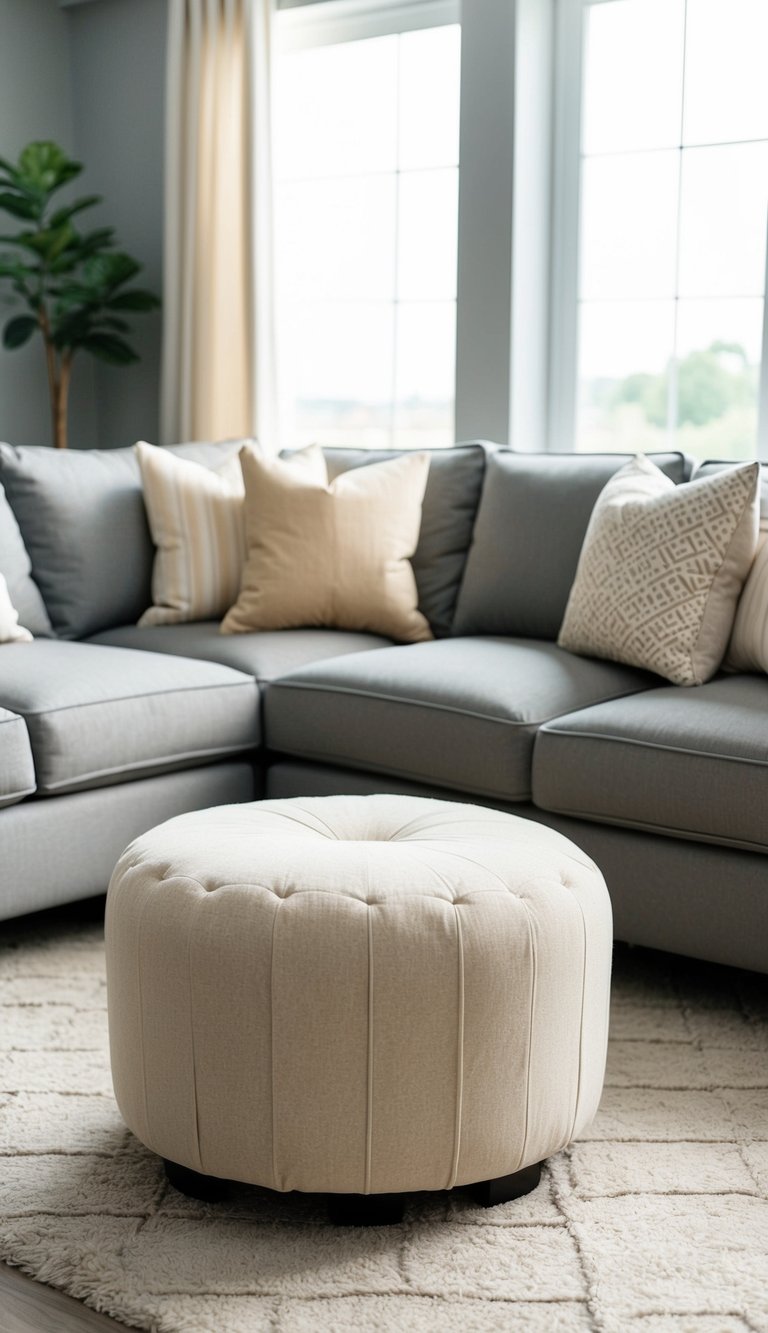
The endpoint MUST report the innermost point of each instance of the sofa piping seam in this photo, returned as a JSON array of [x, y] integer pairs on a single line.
[[442, 708], [148, 694], [142, 765], [663, 830], [648, 745]]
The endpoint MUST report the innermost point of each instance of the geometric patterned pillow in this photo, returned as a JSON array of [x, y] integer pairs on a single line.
[[661, 570]]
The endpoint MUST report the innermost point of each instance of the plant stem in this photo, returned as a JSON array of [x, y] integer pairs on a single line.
[[58, 381], [65, 371]]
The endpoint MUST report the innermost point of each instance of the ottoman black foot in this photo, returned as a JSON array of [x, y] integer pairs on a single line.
[[365, 1210], [192, 1183], [490, 1192]]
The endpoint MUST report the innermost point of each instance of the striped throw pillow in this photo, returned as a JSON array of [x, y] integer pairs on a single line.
[[196, 519]]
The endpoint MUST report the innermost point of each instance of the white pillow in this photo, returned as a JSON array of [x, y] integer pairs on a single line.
[[661, 570], [10, 629]]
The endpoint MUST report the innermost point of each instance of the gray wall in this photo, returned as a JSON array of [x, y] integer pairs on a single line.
[[36, 103], [91, 76], [118, 77]]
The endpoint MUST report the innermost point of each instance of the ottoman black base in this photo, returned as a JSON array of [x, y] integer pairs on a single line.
[[362, 1210]]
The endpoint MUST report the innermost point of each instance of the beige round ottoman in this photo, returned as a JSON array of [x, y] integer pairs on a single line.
[[357, 995]]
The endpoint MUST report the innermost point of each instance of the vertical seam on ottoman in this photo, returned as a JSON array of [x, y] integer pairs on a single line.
[[581, 1020], [140, 990], [280, 901], [369, 1072], [530, 1034], [192, 917], [459, 1051]]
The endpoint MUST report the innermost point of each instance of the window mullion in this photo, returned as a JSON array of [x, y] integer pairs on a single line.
[[762, 419], [566, 195]]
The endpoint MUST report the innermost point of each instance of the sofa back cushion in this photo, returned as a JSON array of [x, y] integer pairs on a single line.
[[16, 569], [82, 518], [533, 516], [447, 519]]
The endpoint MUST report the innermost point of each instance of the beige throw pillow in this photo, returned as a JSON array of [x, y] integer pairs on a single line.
[[10, 629], [333, 554], [661, 570]]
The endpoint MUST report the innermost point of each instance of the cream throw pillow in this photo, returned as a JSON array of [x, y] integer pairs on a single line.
[[10, 629], [748, 649], [661, 570], [333, 554], [195, 516]]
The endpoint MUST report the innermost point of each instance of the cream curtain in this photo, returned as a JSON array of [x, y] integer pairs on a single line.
[[218, 347]]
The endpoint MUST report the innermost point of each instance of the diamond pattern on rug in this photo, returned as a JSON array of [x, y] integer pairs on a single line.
[[655, 1222]]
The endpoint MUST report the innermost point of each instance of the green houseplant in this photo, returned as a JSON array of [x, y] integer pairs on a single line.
[[74, 284]]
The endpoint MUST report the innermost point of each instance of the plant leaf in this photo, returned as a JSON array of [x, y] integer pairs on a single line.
[[18, 331], [137, 299], [111, 322], [44, 167], [94, 241], [20, 205], [104, 273], [63, 215], [107, 347]]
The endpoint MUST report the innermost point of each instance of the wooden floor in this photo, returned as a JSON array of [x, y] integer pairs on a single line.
[[29, 1307]]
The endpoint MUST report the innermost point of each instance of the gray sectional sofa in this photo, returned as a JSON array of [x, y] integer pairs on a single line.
[[106, 729]]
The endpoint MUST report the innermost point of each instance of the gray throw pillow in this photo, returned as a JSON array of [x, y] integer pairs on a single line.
[[82, 518], [533, 516]]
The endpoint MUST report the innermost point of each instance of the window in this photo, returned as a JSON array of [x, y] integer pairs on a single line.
[[673, 187], [367, 134]]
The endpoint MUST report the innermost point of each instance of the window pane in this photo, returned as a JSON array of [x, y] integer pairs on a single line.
[[339, 360], [633, 82], [429, 203], [726, 92], [624, 351], [718, 365], [429, 97], [426, 340], [336, 238], [629, 227], [336, 109], [367, 145], [723, 202]]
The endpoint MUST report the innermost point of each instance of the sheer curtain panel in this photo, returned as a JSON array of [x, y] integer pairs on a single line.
[[218, 347]]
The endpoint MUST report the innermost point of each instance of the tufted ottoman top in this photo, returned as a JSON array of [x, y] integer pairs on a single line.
[[360, 994]]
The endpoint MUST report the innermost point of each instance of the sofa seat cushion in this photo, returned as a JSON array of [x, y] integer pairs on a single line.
[[691, 763], [263, 655], [17, 771], [100, 715], [458, 713]]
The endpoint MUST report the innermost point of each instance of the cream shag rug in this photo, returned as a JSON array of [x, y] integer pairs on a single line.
[[657, 1220]]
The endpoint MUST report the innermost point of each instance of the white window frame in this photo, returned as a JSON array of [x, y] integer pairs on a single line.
[[305, 23], [566, 222]]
